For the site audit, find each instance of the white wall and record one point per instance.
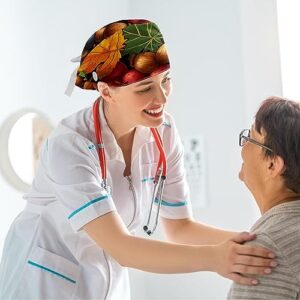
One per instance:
(261, 57)
(224, 58)
(288, 27)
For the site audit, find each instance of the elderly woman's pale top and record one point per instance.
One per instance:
(279, 230)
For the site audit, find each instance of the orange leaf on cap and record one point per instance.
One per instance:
(107, 53)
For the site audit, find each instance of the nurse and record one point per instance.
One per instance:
(100, 172)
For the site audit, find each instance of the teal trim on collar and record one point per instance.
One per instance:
(148, 179)
(86, 205)
(176, 204)
(51, 271)
(165, 123)
(92, 147)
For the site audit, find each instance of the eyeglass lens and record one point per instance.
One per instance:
(244, 135)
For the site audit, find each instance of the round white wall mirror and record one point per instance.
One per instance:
(22, 136)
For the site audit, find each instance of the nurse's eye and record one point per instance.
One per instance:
(166, 80)
(145, 90)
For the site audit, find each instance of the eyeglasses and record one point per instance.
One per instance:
(244, 137)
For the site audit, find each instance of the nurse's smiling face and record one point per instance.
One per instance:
(140, 103)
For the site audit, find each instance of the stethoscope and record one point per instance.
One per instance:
(160, 175)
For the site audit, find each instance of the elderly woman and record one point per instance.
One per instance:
(271, 171)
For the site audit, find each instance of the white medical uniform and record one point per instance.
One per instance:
(47, 254)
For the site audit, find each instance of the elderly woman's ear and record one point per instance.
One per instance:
(276, 166)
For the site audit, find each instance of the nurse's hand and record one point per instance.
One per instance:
(237, 261)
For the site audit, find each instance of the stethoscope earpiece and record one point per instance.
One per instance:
(146, 229)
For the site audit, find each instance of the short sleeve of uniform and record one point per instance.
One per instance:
(176, 196)
(74, 174)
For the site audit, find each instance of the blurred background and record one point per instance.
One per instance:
(226, 57)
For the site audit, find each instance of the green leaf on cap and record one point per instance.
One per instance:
(82, 74)
(142, 38)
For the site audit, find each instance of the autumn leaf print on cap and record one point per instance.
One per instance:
(122, 53)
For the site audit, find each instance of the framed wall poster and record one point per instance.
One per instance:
(195, 168)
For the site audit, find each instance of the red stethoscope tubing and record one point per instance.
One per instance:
(101, 153)
(100, 145)
(162, 157)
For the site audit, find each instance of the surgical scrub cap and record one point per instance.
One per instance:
(122, 53)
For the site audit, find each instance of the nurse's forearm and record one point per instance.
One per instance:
(187, 231)
(161, 257)
(229, 259)
(110, 233)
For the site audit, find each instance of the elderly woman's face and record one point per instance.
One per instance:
(143, 102)
(254, 164)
